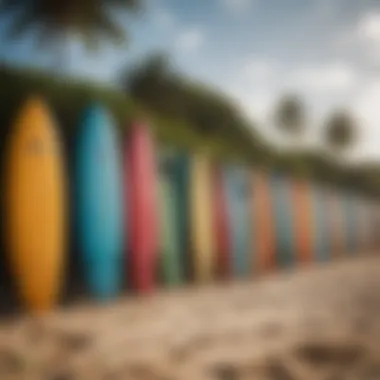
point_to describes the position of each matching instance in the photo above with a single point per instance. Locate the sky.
(326, 51)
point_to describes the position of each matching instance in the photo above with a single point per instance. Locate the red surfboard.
(142, 208)
(263, 223)
(221, 226)
(302, 207)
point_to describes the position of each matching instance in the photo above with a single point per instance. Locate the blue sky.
(328, 51)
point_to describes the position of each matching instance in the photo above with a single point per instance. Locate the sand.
(321, 322)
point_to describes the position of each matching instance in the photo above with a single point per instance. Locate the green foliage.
(340, 131)
(68, 98)
(290, 115)
(65, 97)
(90, 20)
(162, 90)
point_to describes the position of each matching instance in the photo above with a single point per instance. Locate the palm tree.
(340, 131)
(56, 21)
(290, 115)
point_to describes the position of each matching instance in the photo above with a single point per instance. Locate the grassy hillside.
(68, 97)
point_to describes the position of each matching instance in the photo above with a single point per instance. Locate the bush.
(67, 99)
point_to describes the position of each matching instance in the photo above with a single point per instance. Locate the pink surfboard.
(221, 226)
(142, 208)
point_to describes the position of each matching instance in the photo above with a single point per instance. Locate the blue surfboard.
(375, 224)
(320, 221)
(283, 220)
(372, 223)
(99, 203)
(351, 222)
(238, 211)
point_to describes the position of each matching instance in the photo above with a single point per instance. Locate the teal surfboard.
(283, 220)
(350, 222)
(169, 259)
(238, 193)
(99, 202)
(181, 188)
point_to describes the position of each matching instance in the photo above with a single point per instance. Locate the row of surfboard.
(146, 217)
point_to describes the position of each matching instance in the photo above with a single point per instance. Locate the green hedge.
(67, 99)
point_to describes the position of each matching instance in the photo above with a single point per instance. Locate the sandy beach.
(321, 322)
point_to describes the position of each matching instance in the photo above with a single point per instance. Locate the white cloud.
(238, 6)
(255, 102)
(190, 40)
(365, 106)
(252, 86)
(258, 106)
(368, 33)
(345, 39)
(258, 70)
(364, 37)
(325, 78)
(369, 27)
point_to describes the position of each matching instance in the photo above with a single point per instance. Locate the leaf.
(290, 114)
(340, 130)
(90, 20)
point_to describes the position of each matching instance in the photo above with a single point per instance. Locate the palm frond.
(87, 19)
(340, 131)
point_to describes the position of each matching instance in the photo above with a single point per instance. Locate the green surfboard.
(169, 263)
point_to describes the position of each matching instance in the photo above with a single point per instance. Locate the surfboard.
(350, 222)
(368, 223)
(35, 209)
(283, 217)
(373, 224)
(201, 219)
(222, 225)
(337, 223)
(181, 184)
(170, 268)
(99, 202)
(376, 224)
(375, 217)
(321, 222)
(263, 228)
(364, 230)
(360, 223)
(327, 221)
(140, 160)
(239, 213)
(303, 227)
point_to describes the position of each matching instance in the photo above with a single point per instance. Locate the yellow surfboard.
(35, 206)
(202, 239)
